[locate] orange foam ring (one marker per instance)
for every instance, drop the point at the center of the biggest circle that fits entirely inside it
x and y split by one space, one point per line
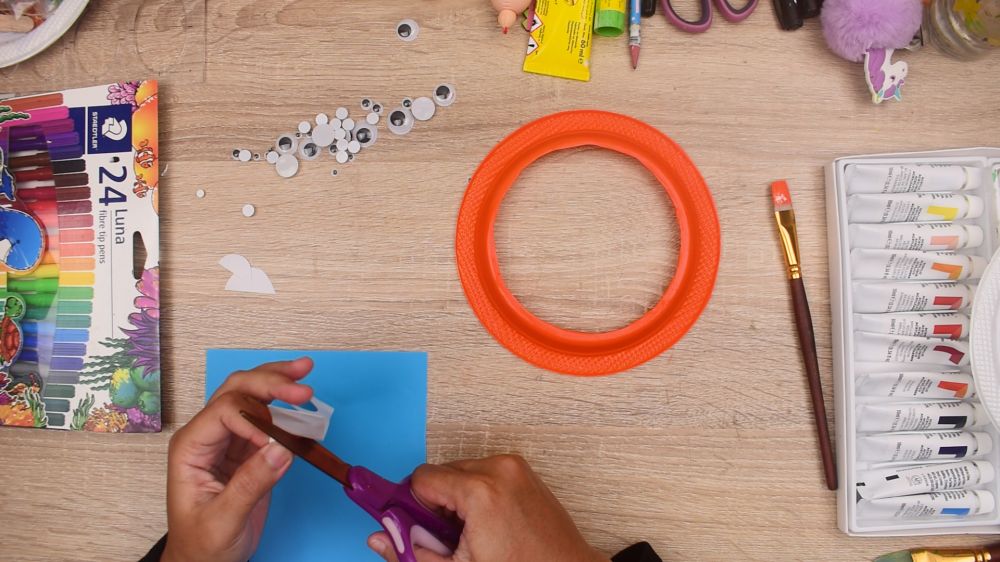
567 351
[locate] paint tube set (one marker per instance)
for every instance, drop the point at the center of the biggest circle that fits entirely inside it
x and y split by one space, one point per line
910 235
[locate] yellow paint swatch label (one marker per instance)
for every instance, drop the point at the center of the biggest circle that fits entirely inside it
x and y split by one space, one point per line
946 213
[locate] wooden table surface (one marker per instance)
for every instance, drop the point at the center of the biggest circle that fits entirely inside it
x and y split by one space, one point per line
707 451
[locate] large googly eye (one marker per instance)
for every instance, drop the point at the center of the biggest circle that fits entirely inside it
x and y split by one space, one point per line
407 30
286 144
444 95
287 165
423 109
400 121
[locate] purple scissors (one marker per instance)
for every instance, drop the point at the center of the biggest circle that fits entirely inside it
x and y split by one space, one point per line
729 12
407 521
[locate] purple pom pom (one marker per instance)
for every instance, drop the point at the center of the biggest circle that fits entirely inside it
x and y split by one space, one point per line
852 27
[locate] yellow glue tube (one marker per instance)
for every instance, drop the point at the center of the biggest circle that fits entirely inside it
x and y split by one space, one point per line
559 44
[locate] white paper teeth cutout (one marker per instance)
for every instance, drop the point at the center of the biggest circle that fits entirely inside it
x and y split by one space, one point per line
245 278
341 137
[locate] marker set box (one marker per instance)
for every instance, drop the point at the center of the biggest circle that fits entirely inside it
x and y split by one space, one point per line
909 237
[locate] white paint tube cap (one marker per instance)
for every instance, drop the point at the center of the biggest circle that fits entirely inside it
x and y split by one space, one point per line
984 443
986 471
987 502
975 234
976 207
978 267
302 422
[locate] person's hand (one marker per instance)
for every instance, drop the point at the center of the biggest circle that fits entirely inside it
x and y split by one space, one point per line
509 514
221 468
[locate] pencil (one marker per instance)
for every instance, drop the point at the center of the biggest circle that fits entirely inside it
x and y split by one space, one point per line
635 32
785 217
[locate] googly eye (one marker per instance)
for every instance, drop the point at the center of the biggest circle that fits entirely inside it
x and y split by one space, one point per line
298 135
407 103
324 135
305 127
423 109
272 156
340 134
309 150
342 113
365 135
350 157
286 143
372 118
343 157
256 156
407 30
348 124
354 147
444 95
200 194
400 121
366 104
287 165
322 118
342 145
333 172
245 155
249 210
332 149
236 154
378 108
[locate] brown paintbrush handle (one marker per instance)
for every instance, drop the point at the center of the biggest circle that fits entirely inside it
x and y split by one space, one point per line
993 550
807 341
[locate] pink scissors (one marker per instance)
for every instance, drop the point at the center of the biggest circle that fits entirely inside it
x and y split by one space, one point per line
729 12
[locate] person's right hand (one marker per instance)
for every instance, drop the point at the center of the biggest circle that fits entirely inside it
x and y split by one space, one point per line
508 511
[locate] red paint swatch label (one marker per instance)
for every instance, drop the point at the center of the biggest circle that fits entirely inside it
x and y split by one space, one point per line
950 331
954 355
959 388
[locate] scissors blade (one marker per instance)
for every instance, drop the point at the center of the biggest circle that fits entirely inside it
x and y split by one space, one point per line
308 449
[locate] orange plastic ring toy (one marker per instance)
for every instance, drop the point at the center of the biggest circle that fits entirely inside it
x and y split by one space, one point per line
567 351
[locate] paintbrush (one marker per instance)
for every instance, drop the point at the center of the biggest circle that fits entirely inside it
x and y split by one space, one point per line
984 554
785 217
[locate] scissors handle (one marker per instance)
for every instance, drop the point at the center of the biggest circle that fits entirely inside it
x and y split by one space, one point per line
701 25
407 521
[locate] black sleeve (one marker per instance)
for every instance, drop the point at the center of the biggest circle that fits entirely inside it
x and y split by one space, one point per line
641 552
156 552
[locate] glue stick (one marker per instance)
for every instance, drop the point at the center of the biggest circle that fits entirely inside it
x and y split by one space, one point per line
609 19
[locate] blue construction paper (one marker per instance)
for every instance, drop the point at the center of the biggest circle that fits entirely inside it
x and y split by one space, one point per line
379 421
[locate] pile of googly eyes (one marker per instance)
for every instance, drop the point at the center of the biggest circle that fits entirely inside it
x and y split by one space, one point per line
341 137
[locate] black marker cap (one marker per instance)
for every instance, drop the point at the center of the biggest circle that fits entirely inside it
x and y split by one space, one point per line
788 14
809 8
649 8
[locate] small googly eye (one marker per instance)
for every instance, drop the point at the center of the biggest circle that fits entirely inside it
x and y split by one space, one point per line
245 155
343 157
366 135
272 156
286 143
444 95
333 172
305 127
342 113
236 154
407 103
400 121
377 108
256 156
366 103
407 30
322 118
332 149
309 150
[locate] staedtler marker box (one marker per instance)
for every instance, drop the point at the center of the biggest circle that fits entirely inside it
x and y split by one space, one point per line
878 289
79 260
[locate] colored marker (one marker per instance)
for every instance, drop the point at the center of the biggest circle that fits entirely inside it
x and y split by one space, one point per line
34 102
72 321
46 142
71 336
635 33
46 173
38 159
67 349
59 194
41 129
44 114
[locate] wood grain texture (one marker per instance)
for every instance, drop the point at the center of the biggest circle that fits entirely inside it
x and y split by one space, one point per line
708 451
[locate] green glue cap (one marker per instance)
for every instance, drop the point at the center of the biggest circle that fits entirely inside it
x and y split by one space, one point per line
609 20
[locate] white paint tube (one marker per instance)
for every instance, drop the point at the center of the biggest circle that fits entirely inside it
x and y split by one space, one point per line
929 236
909 480
907 178
918 416
913 207
956 504
947 385
880 348
915 447
913 265
911 297
947 325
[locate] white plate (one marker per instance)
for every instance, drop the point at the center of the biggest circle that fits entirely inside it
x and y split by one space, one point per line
40 38
984 339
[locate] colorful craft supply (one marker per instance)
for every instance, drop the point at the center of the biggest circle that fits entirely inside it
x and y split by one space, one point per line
84 190
635 33
558 349
610 18
560 39
507 11
704 22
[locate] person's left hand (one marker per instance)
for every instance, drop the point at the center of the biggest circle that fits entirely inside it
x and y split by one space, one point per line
221 468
